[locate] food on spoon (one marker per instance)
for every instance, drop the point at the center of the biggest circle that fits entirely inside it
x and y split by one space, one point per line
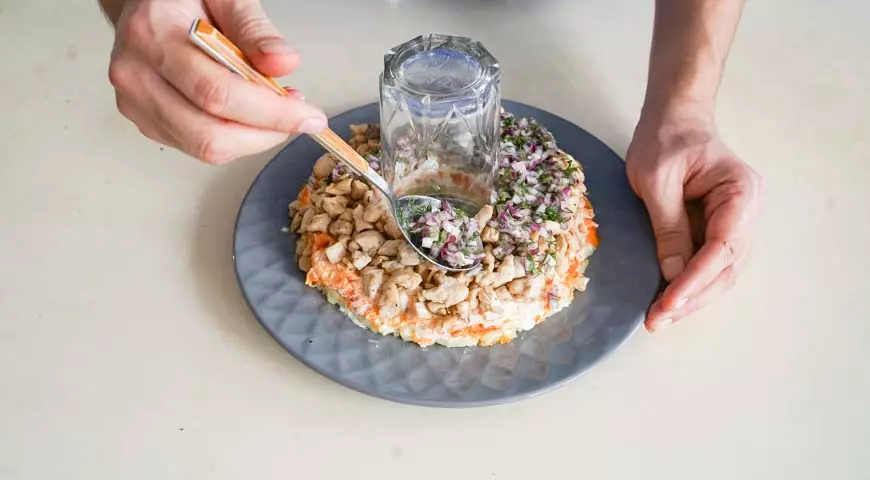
536 240
446 232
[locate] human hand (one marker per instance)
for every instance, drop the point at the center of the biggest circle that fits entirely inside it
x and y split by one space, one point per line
180 97
702 201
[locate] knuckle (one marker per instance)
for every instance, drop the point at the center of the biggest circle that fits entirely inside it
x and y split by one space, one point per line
137 29
150 133
257 28
670 235
753 186
211 150
645 169
128 110
123 106
728 252
283 123
666 169
210 95
659 179
729 276
121 75
146 127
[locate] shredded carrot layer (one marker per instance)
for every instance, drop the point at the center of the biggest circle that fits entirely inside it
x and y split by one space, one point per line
346 282
305 195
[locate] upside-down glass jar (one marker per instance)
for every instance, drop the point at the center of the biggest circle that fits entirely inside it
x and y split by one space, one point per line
440 103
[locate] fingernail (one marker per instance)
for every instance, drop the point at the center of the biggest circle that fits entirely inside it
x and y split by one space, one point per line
312 125
679 303
673 267
294 93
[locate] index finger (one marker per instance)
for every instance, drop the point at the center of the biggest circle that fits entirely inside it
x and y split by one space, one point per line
726 240
224 94
713 258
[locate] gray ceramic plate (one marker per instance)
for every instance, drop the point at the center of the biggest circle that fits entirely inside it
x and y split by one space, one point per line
624 277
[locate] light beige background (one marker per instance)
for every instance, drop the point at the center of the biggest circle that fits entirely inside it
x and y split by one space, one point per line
126 350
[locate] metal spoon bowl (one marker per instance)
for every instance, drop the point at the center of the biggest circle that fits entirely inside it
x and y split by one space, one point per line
400 206
410 202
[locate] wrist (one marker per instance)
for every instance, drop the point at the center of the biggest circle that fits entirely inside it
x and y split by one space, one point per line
684 93
678 113
674 125
677 81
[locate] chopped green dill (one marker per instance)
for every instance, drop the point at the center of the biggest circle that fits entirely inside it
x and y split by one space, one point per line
412 212
420 209
530 265
550 213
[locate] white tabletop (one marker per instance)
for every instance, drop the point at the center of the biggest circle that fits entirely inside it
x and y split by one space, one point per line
127 351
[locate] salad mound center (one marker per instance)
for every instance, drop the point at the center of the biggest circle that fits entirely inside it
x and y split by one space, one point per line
534 243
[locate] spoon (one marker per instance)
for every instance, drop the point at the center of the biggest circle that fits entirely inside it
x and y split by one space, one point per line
221 49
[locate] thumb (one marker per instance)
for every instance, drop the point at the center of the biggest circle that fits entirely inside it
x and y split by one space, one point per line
663 198
247 25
